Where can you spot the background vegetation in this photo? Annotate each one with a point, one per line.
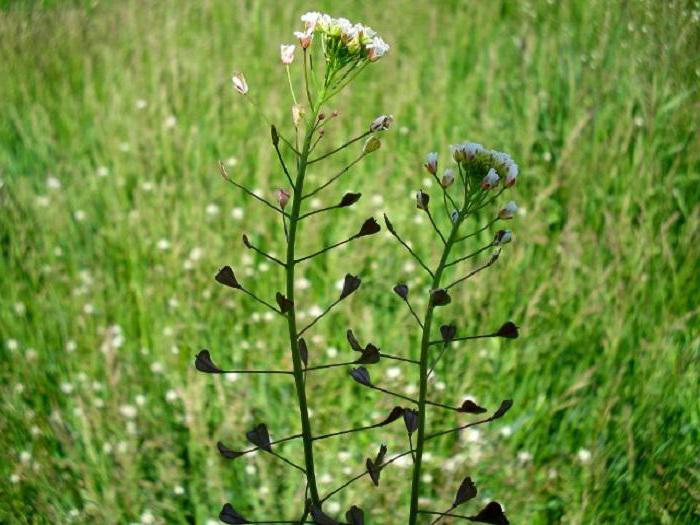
(113, 222)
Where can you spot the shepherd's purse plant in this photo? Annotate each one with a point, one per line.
(334, 52)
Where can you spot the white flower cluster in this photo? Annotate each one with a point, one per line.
(496, 163)
(342, 38)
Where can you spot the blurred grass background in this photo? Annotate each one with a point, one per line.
(113, 221)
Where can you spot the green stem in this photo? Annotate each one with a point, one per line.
(423, 389)
(291, 316)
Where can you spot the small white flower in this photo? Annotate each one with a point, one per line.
(511, 174)
(141, 104)
(332, 352)
(53, 183)
(524, 457)
(393, 372)
(447, 178)
(212, 210)
(170, 122)
(128, 411)
(325, 478)
(163, 244)
(490, 180)
(14, 478)
(25, 457)
(431, 161)
(503, 237)
(508, 211)
(333, 507)
(147, 518)
(377, 49)
(240, 83)
(506, 431)
(237, 213)
(304, 37)
(584, 455)
(171, 396)
(381, 123)
(67, 388)
(178, 490)
(20, 308)
(79, 215)
(102, 171)
(12, 344)
(140, 400)
(287, 53)
(250, 470)
(302, 283)
(315, 311)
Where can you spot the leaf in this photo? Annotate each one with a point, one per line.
(422, 200)
(227, 452)
(246, 242)
(355, 516)
(303, 352)
(389, 226)
(285, 304)
(227, 277)
(410, 419)
(440, 297)
(508, 330)
(395, 414)
(229, 515)
(260, 437)
(369, 227)
(448, 332)
(354, 343)
(320, 518)
(370, 355)
(469, 407)
(505, 407)
(351, 283)
(465, 492)
(491, 513)
(203, 363)
(361, 375)
(349, 199)
(401, 290)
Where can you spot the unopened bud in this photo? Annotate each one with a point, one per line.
(282, 197)
(431, 161)
(274, 135)
(447, 178)
(490, 180)
(372, 144)
(458, 152)
(287, 53)
(511, 174)
(381, 123)
(508, 211)
(503, 237)
(240, 83)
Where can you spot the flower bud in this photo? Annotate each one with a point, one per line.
(458, 152)
(381, 123)
(447, 178)
(511, 174)
(503, 237)
(282, 197)
(454, 216)
(508, 211)
(490, 180)
(471, 150)
(372, 144)
(287, 53)
(431, 161)
(240, 83)
(304, 37)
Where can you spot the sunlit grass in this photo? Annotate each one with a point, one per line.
(113, 221)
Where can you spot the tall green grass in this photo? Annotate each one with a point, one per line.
(106, 288)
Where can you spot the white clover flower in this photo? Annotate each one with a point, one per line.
(239, 82)
(490, 180)
(508, 210)
(53, 183)
(447, 178)
(287, 53)
(584, 455)
(128, 411)
(431, 161)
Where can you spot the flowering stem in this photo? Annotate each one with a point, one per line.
(423, 387)
(291, 316)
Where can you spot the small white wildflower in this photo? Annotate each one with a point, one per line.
(431, 161)
(490, 180)
(170, 122)
(25, 457)
(332, 352)
(333, 507)
(67, 388)
(141, 104)
(239, 83)
(302, 283)
(140, 400)
(584, 455)
(171, 396)
(14, 478)
(250, 470)
(448, 178)
(381, 123)
(178, 490)
(325, 479)
(147, 518)
(506, 431)
(163, 244)
(315, 311)
(212, 210)
(128, 411)
(524, 457)
(503, 237)
(287, 53)
(393, 372)
(237, 213)
(102, 171)
(79, 215)
(12, 344)
(508, 210)
(53, 183)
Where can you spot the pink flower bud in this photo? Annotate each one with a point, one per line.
(381, 123)
(447, 178)
(490, 180)
(305, 37)
(287, 53)
(508, 211)
(511, 174)
(431, 161)
(240, 83)
(282, 197)
(502, 237)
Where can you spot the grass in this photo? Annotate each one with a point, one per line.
(107, 292)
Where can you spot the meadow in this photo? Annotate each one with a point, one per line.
(113, 221)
